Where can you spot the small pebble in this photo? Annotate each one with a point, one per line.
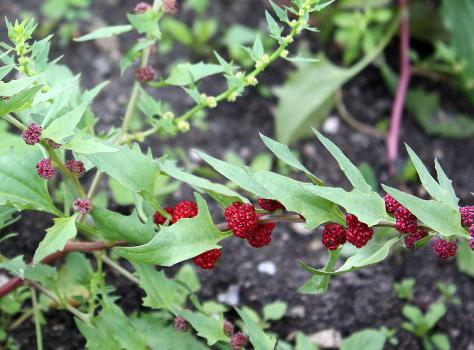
(267, 267)
(331, 125)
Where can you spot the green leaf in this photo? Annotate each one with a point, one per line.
(74, 277)
(295, 197)
(318, 284)
(434, 314)
(274, 311)
(273, 27)
(129, 166)
(377, 250)
(19, 101)
(368, 207)
(241, 175)
(281, 14)
(441, 341)
(134, 53)
(63, 127)
(146, 23)
(413, 314)
(446, 184)
(352, 173)
(183, 240)
(187, 74)
(21, 187)
(283, 153)
(96, 338)
(304, 343)
(15, 266)
(115, 227)
(187, 274)
(83, 143)
(439, 216)
(368, 339)
(465, 258)
(161, 293)
(257, 336)
(429, 183)
(56, 237)
(105, 32)
(14, 87)
(208, 327)
(169, 167)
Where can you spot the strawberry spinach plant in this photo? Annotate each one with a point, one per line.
(56, 146)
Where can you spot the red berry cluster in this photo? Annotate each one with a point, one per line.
(32, 134)
(471, 237)
(358, 233)
(270, 204)
(76, 167)
(182, 210)
(412, 238)
(207, 260)
(467, 216)
(444, 249)
(170, 7)
(82, 206)
(333, 236)
(228, 328)
(142, 7)
(145, 74)
(242, 220)
(45, 169)
(238, 341)
(406, 221)
(180, 324)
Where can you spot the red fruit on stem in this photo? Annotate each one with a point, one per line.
(142, 7)
(82, 206)
(241, 219)
(170, 6)
(208, 259)
(333, 236)
(228, 328)
(184, 209)
(261, 235)
(391, 204)
(412, 238)
(45, 169)
(160, 219)
(238, 341)
(467, 215)
(76, 167)
(145, 74)
(180, 324)
(32, 134)
(357, 232)
(444, 249)
(270, 204)
(406, 221)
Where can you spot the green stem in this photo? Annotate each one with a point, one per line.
(37, 316)
(116, 266)
(11, 119)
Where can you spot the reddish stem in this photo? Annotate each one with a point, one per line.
(393, 138)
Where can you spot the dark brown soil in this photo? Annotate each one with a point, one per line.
(354, 301)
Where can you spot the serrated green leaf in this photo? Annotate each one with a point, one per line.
(429, 183)
(439, 216)
(283, 152)
(105, 32)
(377, 250)
(21, 187)
(64, 126)
(96, 338)
(295, 197)
(274, 311)
(368, 339)
(273, 26)
(19, 101)
(257, 48)
(161, 292)
(56, 237)
(368, 207)
(352, 173)
(5, 70)
(446, 184)
(257, 336)
(241, 175)
(14, 87)
(208, 327)
(115, 227)
(129, 166)
(146, 23)
(187, 74)
(83, 143)
(169, 167)
(281, 14)
(181, 241)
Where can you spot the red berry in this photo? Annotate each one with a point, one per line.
(53, 144)
(406, 221)
(145, 74)
(170, 7)
(333, 236)
(76, 167)
(142, 7)
(412, 238)
(184, 209)
(270, 204)
(228, 328)
(241, 219)
(45, 169)
(208, 259)
(180, 324)
(357, 232)
(391, 204)
(471, 243)
(444, 249)
(261, 236)
(471, 231)
(238, 341)
(32, 134)
(82, 206)
(160, 219)
(467, 216)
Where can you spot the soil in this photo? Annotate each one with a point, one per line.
(354, 301)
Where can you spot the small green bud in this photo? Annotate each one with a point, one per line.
(252, 81)
(293, 23)
(45, 89)
(284, 54)
(239, 75)
(288, 39)
(232, 97)
(169, 115)
(211, 101)
(183, 125)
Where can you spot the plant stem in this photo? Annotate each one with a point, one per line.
(393, 138)
(11, 119)
(36, 312)
(124, 272)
